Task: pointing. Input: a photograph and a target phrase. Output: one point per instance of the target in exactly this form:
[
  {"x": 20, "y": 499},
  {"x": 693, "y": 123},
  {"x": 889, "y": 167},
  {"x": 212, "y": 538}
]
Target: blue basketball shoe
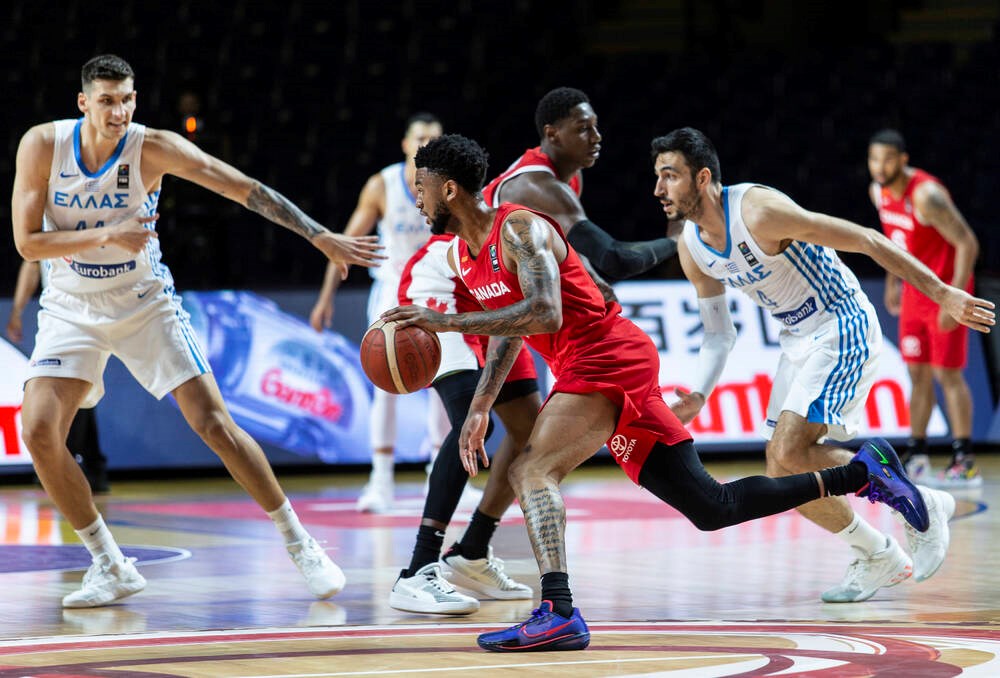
[
  {"x": 888, "y": 483},
  {"x": 545, "y": 631}
]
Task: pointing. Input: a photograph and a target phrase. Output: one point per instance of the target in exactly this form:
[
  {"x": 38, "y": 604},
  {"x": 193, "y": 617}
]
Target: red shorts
[
  {"x": 922, "y": 342},
  {"x": 625, "y": 369}
]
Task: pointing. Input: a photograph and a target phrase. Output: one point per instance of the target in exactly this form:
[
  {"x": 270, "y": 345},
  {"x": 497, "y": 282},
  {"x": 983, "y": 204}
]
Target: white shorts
[
  {"x": 455, "y": 351},
  {"x": 151, "y": 335},
  {"x": 826, "y": 375}
]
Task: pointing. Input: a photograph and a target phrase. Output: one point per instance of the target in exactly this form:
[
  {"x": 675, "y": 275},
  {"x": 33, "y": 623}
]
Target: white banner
[{"x": 668, "y": 312}]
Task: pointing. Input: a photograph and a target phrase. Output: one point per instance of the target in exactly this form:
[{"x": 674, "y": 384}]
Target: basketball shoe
[
  {"x": 960, "y": 474},
  {"x": 868, "y": 573},
  {"x": 105, "y": 582},
  {"x": 427, "y": 592},
  {"x": 485, "y": 576},
  {"x": 929, "y": 548},
  {"x": 544, "y": 631},
  {"x": 323, "y": 577},
  {"x": 887, "y": 483},
  {"x": 376, "y": 497},
  {"x": 918, "y": 467}
]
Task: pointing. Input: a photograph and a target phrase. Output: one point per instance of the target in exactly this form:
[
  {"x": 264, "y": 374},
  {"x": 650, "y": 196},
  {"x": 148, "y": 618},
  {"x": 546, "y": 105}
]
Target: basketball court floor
[{"x": 661, "y": 598}]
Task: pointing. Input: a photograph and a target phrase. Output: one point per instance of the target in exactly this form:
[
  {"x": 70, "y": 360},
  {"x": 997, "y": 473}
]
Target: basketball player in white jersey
[
  {"x": 755, "y": 239},
  {"x": 386, "y": 205},
  {"x": 84, "y": 201}
]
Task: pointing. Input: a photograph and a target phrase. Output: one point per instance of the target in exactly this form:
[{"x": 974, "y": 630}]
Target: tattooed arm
[
  {"x": 533, "y": 251},
  {"x": 500, "y": 356},
  {"x": 165, "y": 152}
]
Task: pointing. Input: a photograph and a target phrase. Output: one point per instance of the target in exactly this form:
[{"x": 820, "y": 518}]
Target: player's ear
[
  {"x": 450, "y": 189},
  {"x": 81, "y": 102}
]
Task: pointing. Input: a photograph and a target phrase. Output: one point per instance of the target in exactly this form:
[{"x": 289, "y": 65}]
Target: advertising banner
[{"x": 303, "y": 395}]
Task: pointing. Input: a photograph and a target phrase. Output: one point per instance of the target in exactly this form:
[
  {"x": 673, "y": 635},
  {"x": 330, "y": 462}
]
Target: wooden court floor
[{"x": 661, "y": 597}]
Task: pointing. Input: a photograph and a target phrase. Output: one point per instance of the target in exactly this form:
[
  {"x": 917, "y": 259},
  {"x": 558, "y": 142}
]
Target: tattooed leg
[{"x": 569, "y": 429}]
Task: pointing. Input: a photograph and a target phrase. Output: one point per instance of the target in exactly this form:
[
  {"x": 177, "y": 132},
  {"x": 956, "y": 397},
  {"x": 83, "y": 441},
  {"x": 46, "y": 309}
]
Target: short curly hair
[
  {"x": 453, "y": 156},
  {"x": 556, "y": 105}
]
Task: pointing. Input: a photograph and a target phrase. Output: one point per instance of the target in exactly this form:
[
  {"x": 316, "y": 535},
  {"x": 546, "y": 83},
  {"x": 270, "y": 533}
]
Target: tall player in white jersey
[
  {"x": 756, "y": 239},
  {"x": 84, "y": 201},
  {"x": 386, "y": 205}
]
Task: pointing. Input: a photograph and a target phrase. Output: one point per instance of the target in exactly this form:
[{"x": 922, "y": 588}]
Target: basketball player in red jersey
[
  {"x": 549, "y": 178},
  {"x": 517, "y": 263},
  {"x": 917, "y": 214}
]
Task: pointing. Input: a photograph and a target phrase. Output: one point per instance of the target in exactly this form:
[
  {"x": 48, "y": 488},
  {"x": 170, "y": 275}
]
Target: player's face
[
  {"x": 430, "y": 200},
  {"x": 577, "y": 136},
  {"x": 418, "y": 136},
  {"x": 108, "y": 106},
  {"x": 885, "y": 163},
  {"x": 675, "y": 187}
]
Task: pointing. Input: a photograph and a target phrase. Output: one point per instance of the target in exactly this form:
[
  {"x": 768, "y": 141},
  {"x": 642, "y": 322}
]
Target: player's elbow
[
  {"x": 27, "y": 251},
  {"x": 547, "y": 317}
]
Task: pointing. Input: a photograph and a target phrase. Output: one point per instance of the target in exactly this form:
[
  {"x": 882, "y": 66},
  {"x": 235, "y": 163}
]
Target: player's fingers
[{"x": 482, "y": 456}]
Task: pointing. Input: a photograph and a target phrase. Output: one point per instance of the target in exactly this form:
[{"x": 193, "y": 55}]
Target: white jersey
[
  {"x": 402, "y": 230},
  {"x": 803, "y": 287},
  {"x": 79, "y": 199}
]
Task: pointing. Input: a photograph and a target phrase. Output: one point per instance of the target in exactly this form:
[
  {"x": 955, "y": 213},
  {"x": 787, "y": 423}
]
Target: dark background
[{"x": 311, "y": 98}]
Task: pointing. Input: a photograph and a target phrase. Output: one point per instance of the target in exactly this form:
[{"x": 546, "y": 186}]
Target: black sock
[
  {"x": 555, "y": 589},
  {"x": 913, "y": 446},
  {"x": 840, "y": 480},
  {"x": 427, "y": 549},
  {"x": 477, "y": 535},
  {"x": 961, "y": 449}
]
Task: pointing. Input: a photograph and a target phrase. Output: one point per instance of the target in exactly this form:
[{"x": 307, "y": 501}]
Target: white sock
[
  {"x": 861, "y": 535},
  {"x": 382, "y": 467},
  {"x": 288, "y": 524},
  {"x": 99, "y": 541}
]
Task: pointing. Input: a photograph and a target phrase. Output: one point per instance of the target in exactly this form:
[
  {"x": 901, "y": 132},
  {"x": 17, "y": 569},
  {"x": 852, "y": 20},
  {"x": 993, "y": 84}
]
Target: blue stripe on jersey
[
  {"x": 816, "y": 267},
  {"x": 406, "y": 186},
  {"x": 110, "y": 161},
  {"x": 729, "y": 240}
]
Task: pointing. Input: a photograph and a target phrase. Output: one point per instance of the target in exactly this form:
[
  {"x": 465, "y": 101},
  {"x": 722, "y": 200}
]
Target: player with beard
[
  {"x": 517, "y": 263},
  {"x": 917, "y": 214},
  {"x": 753, "y": 238}
]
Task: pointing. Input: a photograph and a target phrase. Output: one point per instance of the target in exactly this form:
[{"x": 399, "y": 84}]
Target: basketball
[{"x": 400, "y": 359}]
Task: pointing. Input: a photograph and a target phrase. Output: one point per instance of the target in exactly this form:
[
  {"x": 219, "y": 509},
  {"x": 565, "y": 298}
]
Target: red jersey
[
  {"x": 902, "y": 225},
  {"x": 594, "y": 350},
  {"x": 533, "y": 160}
]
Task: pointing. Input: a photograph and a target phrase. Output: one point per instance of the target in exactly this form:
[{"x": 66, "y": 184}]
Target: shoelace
[
  {"x": 495, "y": 567},
  {"x": 434, "y": 578}
]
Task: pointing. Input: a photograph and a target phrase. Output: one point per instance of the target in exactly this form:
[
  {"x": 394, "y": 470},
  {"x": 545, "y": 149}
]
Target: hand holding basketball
[{"x": 400, "y": 359}]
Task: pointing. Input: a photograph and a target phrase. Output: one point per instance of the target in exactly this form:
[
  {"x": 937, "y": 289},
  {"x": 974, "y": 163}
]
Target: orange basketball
[{"x": 400, "y": 360}]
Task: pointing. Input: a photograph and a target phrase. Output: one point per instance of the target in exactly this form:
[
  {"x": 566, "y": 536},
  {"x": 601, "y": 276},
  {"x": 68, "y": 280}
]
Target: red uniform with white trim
[
  {"x": 427, "y": 280},
  {"x": 920, "y": 339},
  {"x": 533, "y": 160},
  {"x": 595, "y": 350}
]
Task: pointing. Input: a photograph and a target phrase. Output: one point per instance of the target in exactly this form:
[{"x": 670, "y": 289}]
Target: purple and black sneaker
[
  {"x": 888, "y": 483},
  {"x": 544, "y": 631}
]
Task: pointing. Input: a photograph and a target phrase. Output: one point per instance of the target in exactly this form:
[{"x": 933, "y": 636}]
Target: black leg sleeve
[
  {"x": 448, "y": 478},
  {"x": 676, "y": 475},
  {"x": 616, "y": 259}
]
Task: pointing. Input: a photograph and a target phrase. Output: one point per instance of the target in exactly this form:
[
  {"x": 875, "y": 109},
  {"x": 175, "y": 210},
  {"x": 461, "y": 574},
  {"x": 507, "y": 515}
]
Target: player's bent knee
[
  {"x": 41, "y": 437},
  {"x": 213, "y": 427}
]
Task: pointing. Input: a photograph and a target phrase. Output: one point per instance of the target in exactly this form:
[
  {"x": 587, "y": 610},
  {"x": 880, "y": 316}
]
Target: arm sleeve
[
  {"x": 615, "y": 259},
  {"x": 720, "y": 335}
]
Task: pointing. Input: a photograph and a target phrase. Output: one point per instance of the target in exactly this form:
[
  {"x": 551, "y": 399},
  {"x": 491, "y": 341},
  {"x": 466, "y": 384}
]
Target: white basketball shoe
[
  {"x": 105, "y": 582},
  {"x": 485, "y": 576},
  {"x": 322, "y": 575},
  {"x": 870, "y": 572},
  {"x": 427, "y": 592},
  {"x": 929, "y": 548}
]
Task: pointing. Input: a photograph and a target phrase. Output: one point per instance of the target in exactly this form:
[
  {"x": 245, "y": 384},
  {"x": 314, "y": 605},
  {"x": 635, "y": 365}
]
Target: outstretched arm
[
  {"x": 775, "y": 218},
  {"x": 935, "y": 207},
  {"x": 169, "y": 153},
  {"x": 611, "y": 258}
]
